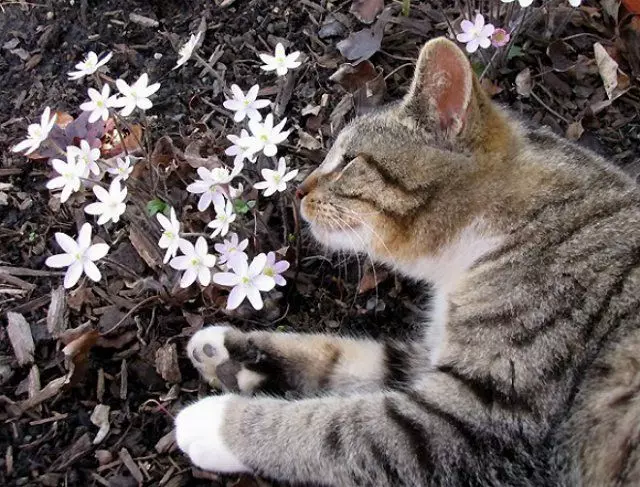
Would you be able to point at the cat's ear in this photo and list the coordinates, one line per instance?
(442, 89)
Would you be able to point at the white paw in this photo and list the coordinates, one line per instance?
(199, 435)
(206, 349)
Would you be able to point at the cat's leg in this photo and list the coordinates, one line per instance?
(381, 438)
(273, 362)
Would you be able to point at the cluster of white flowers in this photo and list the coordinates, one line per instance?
(214, 188)
(82, 166)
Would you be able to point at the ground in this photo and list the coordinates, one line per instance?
(123, 335)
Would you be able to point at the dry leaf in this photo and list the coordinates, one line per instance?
(366, 10)
(100, 417)
(365, 43)
(562, 55)
(524, 84)
(574, 130)
(20, 337)
(354, 76)
(167, 363)
(615, 81)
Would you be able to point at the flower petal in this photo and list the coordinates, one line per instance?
(189, 277)
(73, 274)
(236, 296)
(257, 265)
(264, 283)
(66, 243)
(254, 297)
(60, 260)
(226, 278)
(92, 271)
(97, 251)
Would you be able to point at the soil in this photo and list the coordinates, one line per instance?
(137, 309)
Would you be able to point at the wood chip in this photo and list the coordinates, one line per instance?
(124, 382)
(131, 465)
(167, 443)
(50, 390)
(20, 337)
(100, 417)
(55, 316)
(34, 382)
(143, 21)
(167, 363)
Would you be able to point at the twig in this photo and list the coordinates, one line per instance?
(551, 110)
(144, 302)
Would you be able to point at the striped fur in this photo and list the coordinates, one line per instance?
(529, 371)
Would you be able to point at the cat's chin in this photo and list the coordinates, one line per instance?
(348, 240)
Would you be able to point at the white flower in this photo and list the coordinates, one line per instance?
(69, 179)
(171, 235)
(79, 256)
(89, 66)
(231, 250)
(245, 105)
(274, 269)
(525, 3)
(135, 95)
(475, 34)
(186, 51)
(99, 103)
(266, 137)
(247, 282)
(123, 169)
(111, 204)
(281, 62)
(224, 216)
(574, 3)
(87, 156)
(242, 148)
(196, 262)
(276, 180)
(210, 185)
(37, 133)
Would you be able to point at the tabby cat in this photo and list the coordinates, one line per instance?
(528, 370)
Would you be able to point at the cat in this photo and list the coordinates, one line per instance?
(528, 370)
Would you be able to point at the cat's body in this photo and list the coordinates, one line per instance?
(528, 370)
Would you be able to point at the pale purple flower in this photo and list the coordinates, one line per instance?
(212, 185)
(475, 34)
(500, 38)
(247, 281)
(275, 269)
(86, 155)
(231, 250)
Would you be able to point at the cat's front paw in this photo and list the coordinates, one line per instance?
(221, 354)
(199, 435)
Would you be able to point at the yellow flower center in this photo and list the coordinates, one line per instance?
(268, 271)
(245, 280)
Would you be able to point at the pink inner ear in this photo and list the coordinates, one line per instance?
(447, 81)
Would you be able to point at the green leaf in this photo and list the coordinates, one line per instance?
(515, 51)
(157, 206)
(242, 207)
(477, 67)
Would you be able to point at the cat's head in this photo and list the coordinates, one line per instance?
(383, 185)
